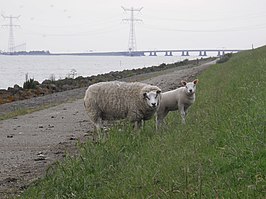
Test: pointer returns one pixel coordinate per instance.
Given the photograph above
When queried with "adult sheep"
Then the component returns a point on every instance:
(119, 100)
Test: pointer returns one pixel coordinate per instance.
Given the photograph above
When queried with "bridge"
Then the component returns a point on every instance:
(184, 52)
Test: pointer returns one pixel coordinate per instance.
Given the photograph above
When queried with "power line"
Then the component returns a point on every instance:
(198, 19)
(11, 39)
(132, 43)
(232, 29)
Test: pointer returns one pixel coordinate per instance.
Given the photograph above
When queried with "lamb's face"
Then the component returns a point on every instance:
(152, 98)
(190, 87)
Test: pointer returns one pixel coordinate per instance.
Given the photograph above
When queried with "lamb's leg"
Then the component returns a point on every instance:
(160, 118)
(183, 113)
(157, 124)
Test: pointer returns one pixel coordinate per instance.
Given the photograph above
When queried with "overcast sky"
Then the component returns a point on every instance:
(84, 25)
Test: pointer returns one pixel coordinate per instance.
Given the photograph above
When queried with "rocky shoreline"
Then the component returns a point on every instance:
(33, 88)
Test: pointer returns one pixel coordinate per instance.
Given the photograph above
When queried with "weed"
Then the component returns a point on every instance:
(30, 84)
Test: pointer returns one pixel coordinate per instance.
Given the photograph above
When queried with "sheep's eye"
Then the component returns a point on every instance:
(146, 96)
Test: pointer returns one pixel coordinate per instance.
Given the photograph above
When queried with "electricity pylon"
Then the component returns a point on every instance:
(132, 43)
(11, 40)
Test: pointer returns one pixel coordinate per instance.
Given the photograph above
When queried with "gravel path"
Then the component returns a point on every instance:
(29, 144)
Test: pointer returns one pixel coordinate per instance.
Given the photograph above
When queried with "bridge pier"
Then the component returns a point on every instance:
(153, 54)
(202, 53)
(220, 53)
(168, 53)
(185, 53)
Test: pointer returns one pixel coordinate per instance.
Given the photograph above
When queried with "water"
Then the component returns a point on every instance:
(13, 69)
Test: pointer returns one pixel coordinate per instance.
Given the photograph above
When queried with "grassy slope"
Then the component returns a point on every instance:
(219, 153)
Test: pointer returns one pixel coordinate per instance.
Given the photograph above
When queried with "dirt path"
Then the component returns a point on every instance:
(32, 142)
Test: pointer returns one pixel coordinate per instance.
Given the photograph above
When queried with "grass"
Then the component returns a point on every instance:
(24, 111)
(220, 153)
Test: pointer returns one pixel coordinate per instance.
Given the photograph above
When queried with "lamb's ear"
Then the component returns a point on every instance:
(196, 81)
(184, 83)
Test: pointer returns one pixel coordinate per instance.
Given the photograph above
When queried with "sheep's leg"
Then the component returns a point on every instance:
(98, 125)
(137, 125)
(97, 122)
(142, 124)
(95, 118)
(99, 128)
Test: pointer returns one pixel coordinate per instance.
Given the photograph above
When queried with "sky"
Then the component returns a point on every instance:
(90, 25)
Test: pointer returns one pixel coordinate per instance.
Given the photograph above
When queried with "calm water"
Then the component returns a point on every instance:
(13, 69)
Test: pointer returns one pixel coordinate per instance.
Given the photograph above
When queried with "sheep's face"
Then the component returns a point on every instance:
(152, 98)
(190, 86)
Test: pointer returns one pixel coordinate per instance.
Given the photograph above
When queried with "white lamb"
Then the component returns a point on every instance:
(118, 100)
(178, 99)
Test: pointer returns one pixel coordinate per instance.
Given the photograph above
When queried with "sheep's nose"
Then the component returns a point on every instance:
(153, 104)
(190, 90)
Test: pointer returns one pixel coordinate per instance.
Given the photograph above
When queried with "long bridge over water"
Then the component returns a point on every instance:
(184, 52)
(202, 52)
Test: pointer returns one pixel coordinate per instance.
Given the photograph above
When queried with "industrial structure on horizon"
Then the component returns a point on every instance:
(132, 43)
(11, 38)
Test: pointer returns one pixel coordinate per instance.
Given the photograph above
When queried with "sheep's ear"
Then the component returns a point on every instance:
(184, 83)
(144, 95)
(196, 81)
(158, 91)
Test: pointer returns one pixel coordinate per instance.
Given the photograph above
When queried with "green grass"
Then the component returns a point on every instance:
(24, 111)
(220, 153)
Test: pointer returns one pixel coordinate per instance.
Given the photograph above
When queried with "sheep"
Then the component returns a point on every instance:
(115, 100)
(179, 99)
